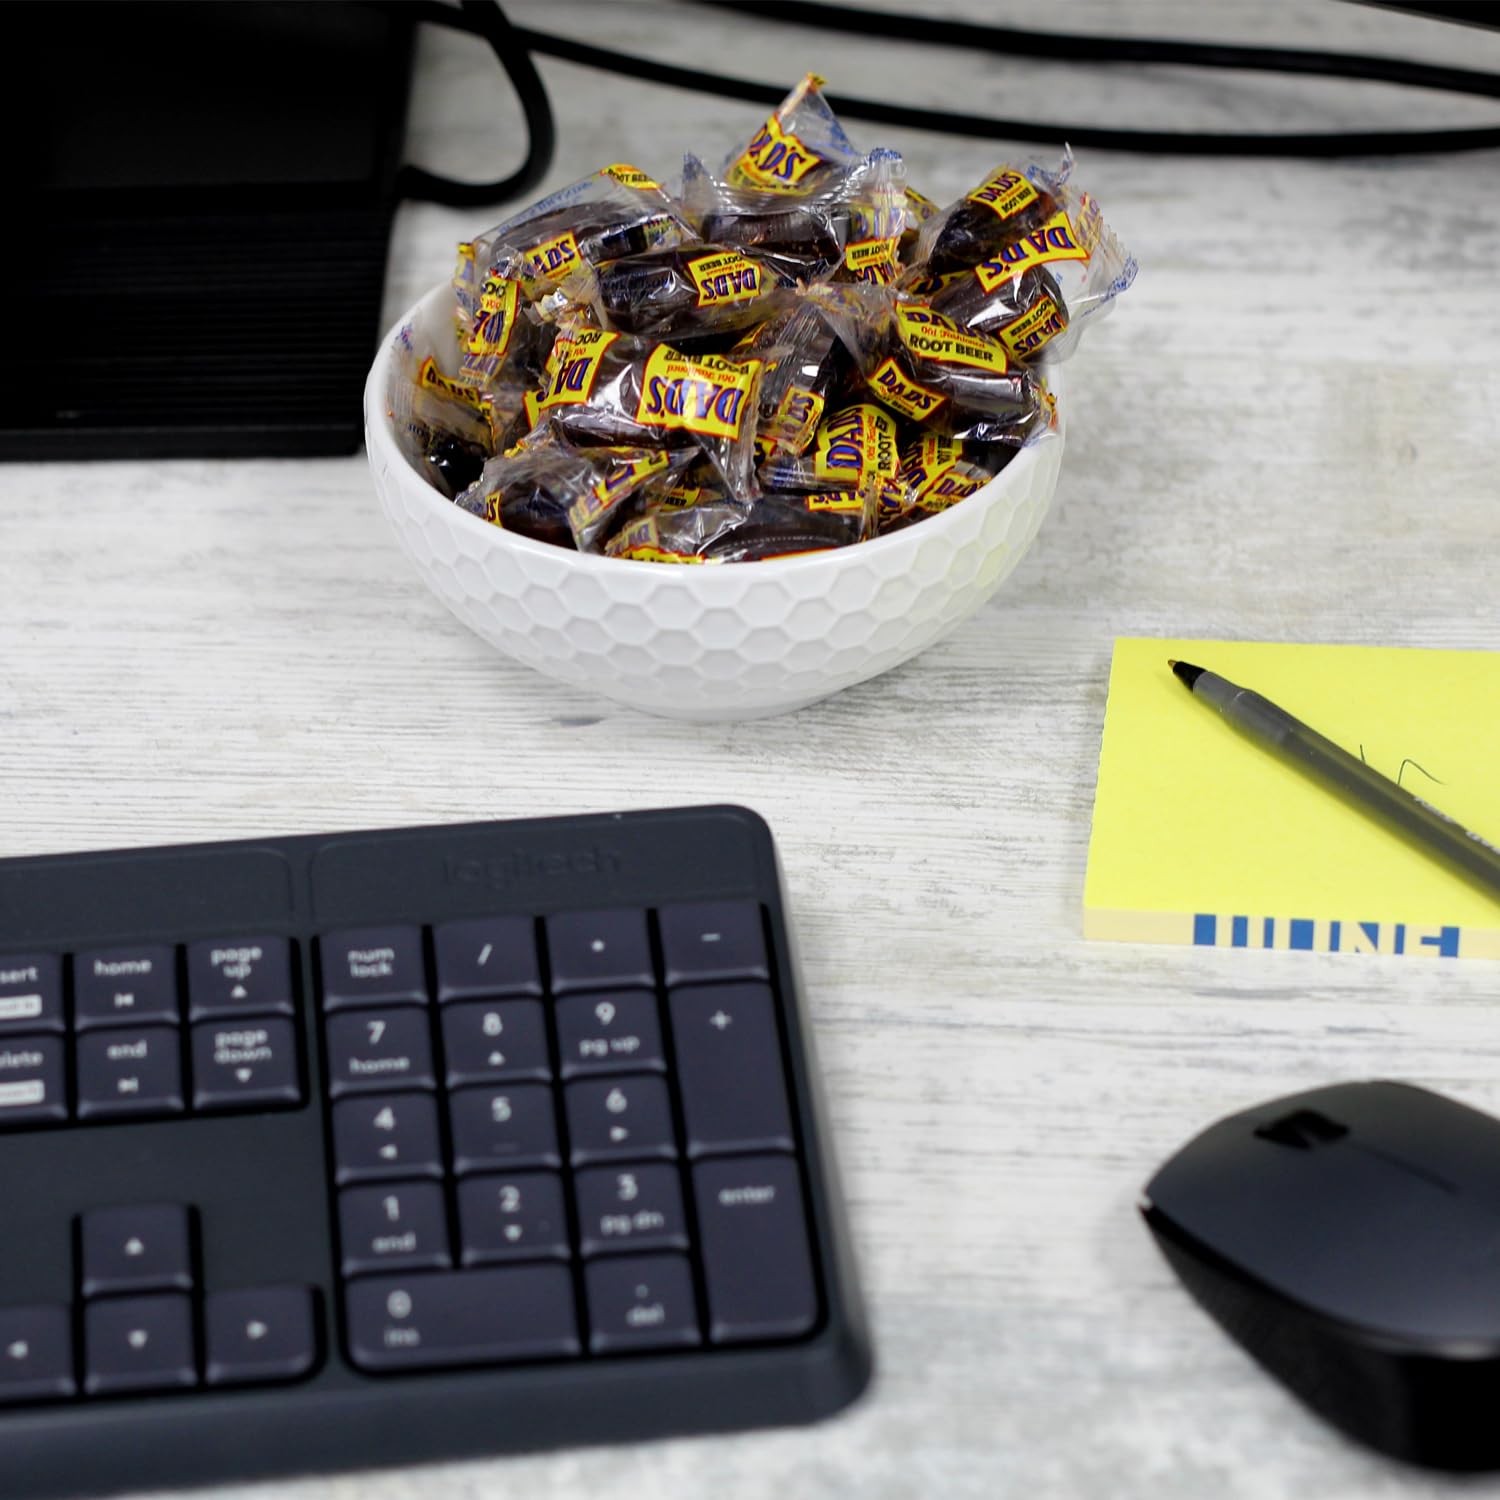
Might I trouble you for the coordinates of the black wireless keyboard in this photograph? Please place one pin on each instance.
(326, 1152)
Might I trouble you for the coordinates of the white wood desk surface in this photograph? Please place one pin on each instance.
(1288, 431)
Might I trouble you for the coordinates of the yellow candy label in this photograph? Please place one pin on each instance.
(776, 160)
(895, 389)
(836, 500)
(922, 207)
(641, 541)
(1038, 325)
(707, 395)
(552, 257)
(1006, 191)
(727, 277)
(795, 420)
(631, 177)
(577, 367)
(872, 260)
(855, 443)
(623, 475)
(932, 336)
(492, 503)
(1055, 240)
(496, 324)
(681, 496)
(531, 404)
(929, 469)
(430, 378)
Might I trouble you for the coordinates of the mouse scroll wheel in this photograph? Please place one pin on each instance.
(1305, 1129)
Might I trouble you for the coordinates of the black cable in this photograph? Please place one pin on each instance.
(1069, 47)
(484, 18)
(985, 127)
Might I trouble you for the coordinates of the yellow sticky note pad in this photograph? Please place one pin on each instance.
(1202, 837)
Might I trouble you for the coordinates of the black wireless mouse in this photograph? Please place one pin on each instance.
(1349, 1238)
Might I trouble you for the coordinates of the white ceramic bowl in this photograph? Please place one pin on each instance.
(734, 641)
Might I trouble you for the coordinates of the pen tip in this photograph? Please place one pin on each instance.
(1186, 671)
(1171, 661)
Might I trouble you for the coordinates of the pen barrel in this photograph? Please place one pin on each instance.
(1407, 815)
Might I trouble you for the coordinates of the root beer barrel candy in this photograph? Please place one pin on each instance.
(729, 531)
(694, 289)
(1006, 204)
(1031, 257)
(854, 445)
(610, 388)
(551, 491)
(923, 366)
(616, 211)
(1025, 312)
(804, 366)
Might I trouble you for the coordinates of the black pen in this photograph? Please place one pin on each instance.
(1418, 822)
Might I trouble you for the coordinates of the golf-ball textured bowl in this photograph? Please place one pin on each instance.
(729, 641)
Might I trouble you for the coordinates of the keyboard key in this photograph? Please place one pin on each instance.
(605, 1033)
(611, 1119)
(486, 957)
(630, 1208)
(386, 1135)
(31, 996)
(755, 1252)
(239, 977)
(259, 1335)
(517, 1217)
(32, 1080)
(730, 1069)
(146, 1248)
(138, 1344)
(124, 987)
(640, 1302)
(129, 1073)
(594, 950)
(395, 1225)
(372, 966)
(462, 1318)
(511, 1126)
(36, 1353)
(711, 940)
(379, 1049)
(503, 1039)
(245, 1064)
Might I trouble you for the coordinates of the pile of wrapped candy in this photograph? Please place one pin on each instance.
(797, 353)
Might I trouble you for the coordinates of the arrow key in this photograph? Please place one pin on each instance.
(36, 1353)
(259, 1335)
(521, 1216)
(378, 1136)
(250, 1064)
(138, 1248)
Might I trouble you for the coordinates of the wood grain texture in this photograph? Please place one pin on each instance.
(1287, 431)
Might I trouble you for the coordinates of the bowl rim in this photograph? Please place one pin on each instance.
(378, 421)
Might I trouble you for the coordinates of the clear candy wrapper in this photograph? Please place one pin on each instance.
(722, 531)
(800, 147)
(937, 471)
(922, 366)
(691, 290)
(612, 389)
(613, 212)
(1025, 257)
(854, 446)
(442, 426)
(553, 492)
(804, 365)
